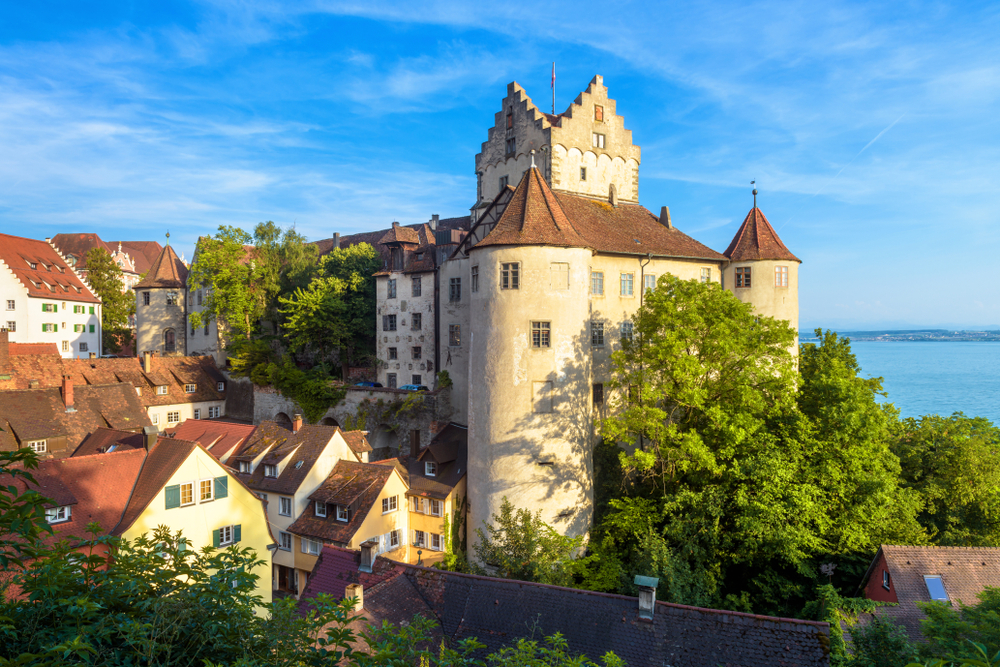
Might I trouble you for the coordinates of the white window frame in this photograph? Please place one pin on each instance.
(194, 498)
(161, 390)
(390, 504)
(190, 388)
(285, 541)
(58, 514)
(343, 513)
(781, 276)
(246, 467)
(11, 304)
(197, 413)
(211, 490)
(649, 282)
(284, 501)
(213, 412)
(269, 468)
(419, 538)
(706, 275)
(437, 544)
(220, 386)
(155, 418)
(393, 539)
(320, 508)
(627, 280)
(430, 468)
(225, 535)
(174, 417)
(436, 507)
(38, 446)
(311, 547)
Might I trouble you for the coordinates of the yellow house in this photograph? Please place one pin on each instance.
(356, 503)
(437, 480)
(183, 487)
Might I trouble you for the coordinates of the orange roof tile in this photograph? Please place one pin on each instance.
(42, 272)
(534, 217)
(167, 271)
(756, 239)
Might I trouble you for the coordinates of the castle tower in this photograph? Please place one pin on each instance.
(762, 271)
(160, 307)
(530, 428)
(584, 150)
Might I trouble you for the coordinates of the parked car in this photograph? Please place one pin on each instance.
(368, 384)
(414, 387)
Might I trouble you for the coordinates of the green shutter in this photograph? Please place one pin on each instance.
(216, 538)
(237, 533)
(173, 496)
(221, 487)
(55, 328)
(91, 310)
(91, 328)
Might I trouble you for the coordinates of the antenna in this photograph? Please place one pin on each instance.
(553, 89)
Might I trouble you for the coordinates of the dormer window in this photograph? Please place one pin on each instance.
(270, 470)
(220, 386)
(161, 390)
(190, 388)
(58, 514)
(37, 446)
(430, 468)
(33, 265)
(343, 513)
(245, 467)
(321, 509)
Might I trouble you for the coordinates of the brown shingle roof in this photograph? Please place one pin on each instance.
(79, 245)
(51, 278)
(161, 463)
(964, 571)
(357, 441)
(306, 446)
(143, 253)
(350, 484)
(399, 234)
(104, 439)
(166, 271)
(756, 239)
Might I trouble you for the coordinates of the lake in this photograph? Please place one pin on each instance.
(935, 377)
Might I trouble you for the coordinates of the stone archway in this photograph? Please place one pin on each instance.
(283, 420)
(169, 341)
(329, 421)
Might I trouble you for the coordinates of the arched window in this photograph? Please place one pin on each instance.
(169, 341)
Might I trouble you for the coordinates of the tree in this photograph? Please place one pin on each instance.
(953, 464)
(22, 513)
(519, 545)
(223, 265)
(117, 303)
(950, 631)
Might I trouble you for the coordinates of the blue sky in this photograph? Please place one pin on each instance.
(873, 131)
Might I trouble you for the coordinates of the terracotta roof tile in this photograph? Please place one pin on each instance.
(51, 278)
(161, 463)
(756, 239)
(306, 446)
(357, 441)
(79, 245)
(400, 234)
(166, 271)
(37, 349)
(221, 439)
(350, 484)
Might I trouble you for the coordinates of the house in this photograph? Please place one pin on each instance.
(54, 420)
(131, 490)
(498, 612)
(283, 466)
(437, 492)
(45, 301)
(906, 575)
(222, 439)
(358, 503)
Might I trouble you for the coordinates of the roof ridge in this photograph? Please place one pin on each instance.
(130, 450)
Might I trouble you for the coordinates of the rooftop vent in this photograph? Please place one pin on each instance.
(647, 596)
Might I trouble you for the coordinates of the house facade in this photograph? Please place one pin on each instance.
(43, 300)
(436, 497)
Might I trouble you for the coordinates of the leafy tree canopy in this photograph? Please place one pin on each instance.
(117, 304)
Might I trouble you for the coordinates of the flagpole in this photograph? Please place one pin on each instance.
(553, 89)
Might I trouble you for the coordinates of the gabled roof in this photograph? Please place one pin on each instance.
(534, 217)
(349, 483)
(357, 441)
(399, 234)
(161, 463)
(79, 245)
(143, 253)
(109, 440)
(166, 271)
(306, 446)
(51, 278)
(221, 439)
(449, 450)
(964, 571)
(756, 239)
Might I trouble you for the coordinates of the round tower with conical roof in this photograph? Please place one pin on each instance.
(160, 307)
(762, 271)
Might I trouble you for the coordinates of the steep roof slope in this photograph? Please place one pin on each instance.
(349, 484)
(219, 438)
(42, 272)
(160, 465)
(167, 270)
(756, 239)
(78, 245)
(143, 253)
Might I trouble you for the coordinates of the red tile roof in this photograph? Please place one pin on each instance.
(161, 463)
(350, 484)
(166, 271)
(79, 245)
(756, 239)
(51, 278)
(143, 253)
(26, 349)
(219, 438)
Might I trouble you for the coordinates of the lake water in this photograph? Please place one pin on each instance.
(935, 377)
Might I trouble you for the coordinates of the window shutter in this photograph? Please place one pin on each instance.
(221, 487)
(172, 494)
(216, 538)
(402, 538)
(237, 533)
(55, 327)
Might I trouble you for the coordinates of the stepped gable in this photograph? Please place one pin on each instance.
(166, 271)
(78, 245)
(629, 229)
(534, 217)
(756, 239)
(143, 253)
(42, 272)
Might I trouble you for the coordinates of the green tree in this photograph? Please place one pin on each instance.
(117, 304)
(236, 293)
(950, 629)
(519, 545)
(22, 513)
(953, 464)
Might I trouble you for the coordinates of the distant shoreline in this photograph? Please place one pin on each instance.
(916, 335)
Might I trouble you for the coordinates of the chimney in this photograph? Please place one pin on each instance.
(647, 596)
(435, 219)
(356, 591)
(665, 217)
(67, 392)
(149, 436)
(336, 240)
(4, 352)
(147, 362)
(93, 355)
(33, 384)
(368, 555)
(296, 423)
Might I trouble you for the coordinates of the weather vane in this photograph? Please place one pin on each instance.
(754, 183)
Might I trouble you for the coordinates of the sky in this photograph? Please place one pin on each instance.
(872, 130)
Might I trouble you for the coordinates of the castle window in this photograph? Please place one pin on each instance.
(511, 145)
(455, 289)
(416, 379)
(598, 140)
(169, 341)
(388, 323)
(454, 335)
(598, 394)
(781, 276)
(417, 352)
(475, 279)
(145, 298)
(392, 354)
(583, 173)
(390, 292)
(503, 182)
(597, 334)
(649, 282)
(171, 298)
(598, 113)
(416, 321)
(510, 119)
(415, 286)
(509, 275)
(706, 275)
(199, 297)
(541, 333)
(626, 284)
(597, 283)
(10, 304)
(743, 276)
